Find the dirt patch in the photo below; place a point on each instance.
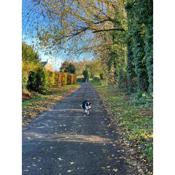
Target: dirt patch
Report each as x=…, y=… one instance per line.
x=26, y=96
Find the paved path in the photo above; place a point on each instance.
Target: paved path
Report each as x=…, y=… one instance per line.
x=62, y=141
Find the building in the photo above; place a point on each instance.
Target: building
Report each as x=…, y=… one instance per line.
x=47, y=65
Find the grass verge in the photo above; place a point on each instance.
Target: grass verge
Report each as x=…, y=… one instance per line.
x=40, y=103
x=135, y=121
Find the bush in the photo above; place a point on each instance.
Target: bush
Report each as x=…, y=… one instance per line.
x=141, y=98
x=40, y=80
x=96, y=78
x=70, y=79
x=28, y=67
x=101, y=76
x=24, y=80
x=37, y=81
x=64, y=79
x=50, y=78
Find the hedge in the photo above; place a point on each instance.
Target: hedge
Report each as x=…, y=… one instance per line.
x=39, y=80
x=63, y=78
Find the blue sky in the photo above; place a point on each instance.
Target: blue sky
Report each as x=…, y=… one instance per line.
x=31, y=19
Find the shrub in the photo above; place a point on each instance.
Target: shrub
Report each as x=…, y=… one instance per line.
x=50, y=78
x=74, y=78
x=101, y=76
x=63, y=78
x=37, y=81
x=69, y=79
x=31, y=83
x=96, y=78
x=28, y=67
x=24, y=80
x=141, y=98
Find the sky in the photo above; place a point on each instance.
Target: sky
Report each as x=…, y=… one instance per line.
x=31, y=19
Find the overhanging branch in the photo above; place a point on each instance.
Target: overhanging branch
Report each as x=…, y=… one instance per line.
x=107, y=30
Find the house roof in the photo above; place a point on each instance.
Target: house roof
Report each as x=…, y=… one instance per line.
x=44, y=63
x=47, y=66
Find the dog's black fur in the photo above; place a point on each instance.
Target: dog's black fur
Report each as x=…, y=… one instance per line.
x=86, y=105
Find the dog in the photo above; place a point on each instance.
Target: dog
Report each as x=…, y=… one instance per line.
x=86, y=105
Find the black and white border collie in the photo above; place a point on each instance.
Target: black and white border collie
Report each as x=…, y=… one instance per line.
x=86, y=105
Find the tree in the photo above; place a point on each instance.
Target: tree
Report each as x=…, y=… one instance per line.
x=68, y=67
x=119, y=33
x=86, y=75
x=29, y=54
x=94, y=67
x=69, y=19
x=139, y=17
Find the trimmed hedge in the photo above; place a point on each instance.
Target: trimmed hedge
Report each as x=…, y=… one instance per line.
x=71, y=79
x=50, y=78
x=39, y=80
x=28, y=67
x=63, y=78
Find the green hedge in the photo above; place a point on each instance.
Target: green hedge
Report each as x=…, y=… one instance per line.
x=37, y=81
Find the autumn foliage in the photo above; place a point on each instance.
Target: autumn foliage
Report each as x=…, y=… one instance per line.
x=64, y=78
x=35, y=77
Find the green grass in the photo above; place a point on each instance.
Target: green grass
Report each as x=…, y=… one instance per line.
x=39, y=102
x=134, y=120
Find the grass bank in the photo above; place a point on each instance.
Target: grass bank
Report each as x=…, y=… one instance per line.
x=134, y=119
x=39, y=103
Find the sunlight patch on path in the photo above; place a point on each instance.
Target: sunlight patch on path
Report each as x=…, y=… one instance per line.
x=69, y=137
x=65, y=110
